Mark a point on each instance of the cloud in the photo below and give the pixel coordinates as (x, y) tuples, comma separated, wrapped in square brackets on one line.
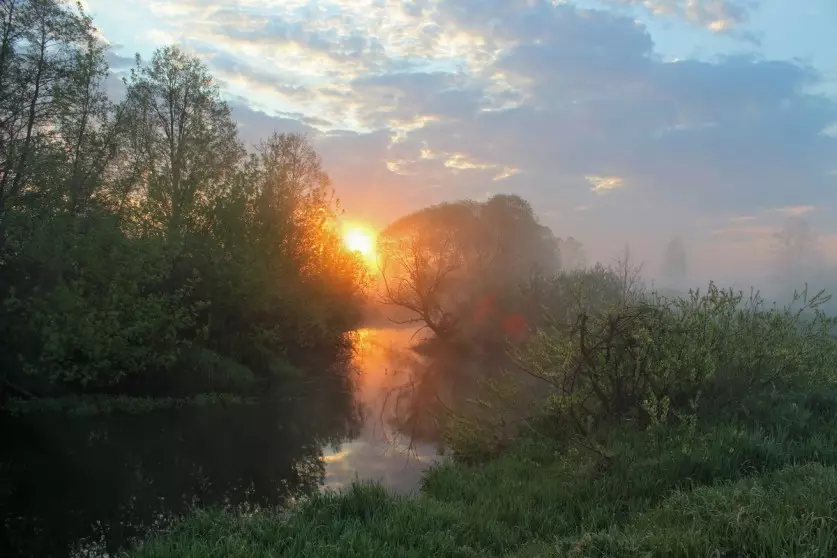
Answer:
[(715, 15), (255, 126), (746, 231), (794, 210), (602, 184), (414, 102)]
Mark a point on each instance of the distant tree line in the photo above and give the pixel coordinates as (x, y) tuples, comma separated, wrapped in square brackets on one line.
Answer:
[(143, 250)]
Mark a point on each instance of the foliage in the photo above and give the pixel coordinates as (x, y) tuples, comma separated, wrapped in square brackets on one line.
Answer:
[(102, 405), (447, 264), (652, 360), (644, 425), (143, 252)]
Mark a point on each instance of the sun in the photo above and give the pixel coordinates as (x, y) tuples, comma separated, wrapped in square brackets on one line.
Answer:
[(359, 239)]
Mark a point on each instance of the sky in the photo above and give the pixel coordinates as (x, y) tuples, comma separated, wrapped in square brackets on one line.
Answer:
[(621, 121)]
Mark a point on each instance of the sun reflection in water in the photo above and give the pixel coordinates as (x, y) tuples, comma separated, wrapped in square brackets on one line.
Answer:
[(378, 454)]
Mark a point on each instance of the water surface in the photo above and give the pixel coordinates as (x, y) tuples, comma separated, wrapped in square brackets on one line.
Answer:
[(98, 482)]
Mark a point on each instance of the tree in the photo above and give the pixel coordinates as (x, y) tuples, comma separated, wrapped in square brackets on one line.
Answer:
[(450, 265), (50, 66), (796, 252), (674, 262), (796, 243), (571, 253), (141, 252), (182, 137)]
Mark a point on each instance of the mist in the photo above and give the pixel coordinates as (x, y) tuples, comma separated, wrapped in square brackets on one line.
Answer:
[(418, 278)]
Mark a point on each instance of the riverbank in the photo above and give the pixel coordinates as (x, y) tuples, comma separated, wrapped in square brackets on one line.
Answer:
[(763, 484)]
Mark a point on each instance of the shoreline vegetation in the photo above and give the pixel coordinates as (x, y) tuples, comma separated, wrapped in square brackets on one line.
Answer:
[(738, 459), (147, 255)]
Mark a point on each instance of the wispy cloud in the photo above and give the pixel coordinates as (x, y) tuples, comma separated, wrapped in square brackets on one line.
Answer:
[(794, 210), (603, 184), (746, 231), (715, 15)]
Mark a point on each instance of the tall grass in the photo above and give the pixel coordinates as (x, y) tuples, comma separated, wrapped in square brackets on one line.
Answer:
[(698, 462)]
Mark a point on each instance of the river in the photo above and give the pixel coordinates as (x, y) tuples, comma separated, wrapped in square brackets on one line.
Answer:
[(86, 485)]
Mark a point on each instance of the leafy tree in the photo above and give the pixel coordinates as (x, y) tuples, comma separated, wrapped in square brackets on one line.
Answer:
[(674, 262), (795, 245), (50, 66), (572, 254), (142, 251), (183, 142), (449, 265)]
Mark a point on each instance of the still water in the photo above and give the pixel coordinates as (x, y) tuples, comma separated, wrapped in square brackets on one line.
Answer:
[(88, 485)]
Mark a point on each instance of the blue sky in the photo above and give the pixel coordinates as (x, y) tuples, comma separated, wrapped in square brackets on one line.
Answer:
[(620, 120)]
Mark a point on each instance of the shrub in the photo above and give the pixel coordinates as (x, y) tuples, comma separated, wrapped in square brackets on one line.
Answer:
[(651, 360)]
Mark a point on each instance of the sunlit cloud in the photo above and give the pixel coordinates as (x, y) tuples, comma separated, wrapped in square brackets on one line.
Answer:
[(830, 130), (458, 161), (715, 15), (794, 210), (401, 128), (603, 184), (505, 173)]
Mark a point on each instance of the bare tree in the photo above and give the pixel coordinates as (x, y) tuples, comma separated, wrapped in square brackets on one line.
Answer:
[(628, 273), (416, 276)]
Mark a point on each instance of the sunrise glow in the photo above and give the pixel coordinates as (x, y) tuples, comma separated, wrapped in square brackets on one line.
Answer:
[(360, 239)]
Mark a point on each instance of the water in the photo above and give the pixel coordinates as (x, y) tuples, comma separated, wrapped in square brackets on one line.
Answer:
[(101, 482), (378, 452)]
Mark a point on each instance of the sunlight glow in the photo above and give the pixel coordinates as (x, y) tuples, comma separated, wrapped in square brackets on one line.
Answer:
[(360, 239)]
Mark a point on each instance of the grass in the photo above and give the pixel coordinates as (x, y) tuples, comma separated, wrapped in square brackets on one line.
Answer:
[(93, 405), (764, 484)]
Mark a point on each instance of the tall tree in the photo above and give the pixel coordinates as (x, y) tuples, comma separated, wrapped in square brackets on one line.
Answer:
[(447, 264), (796, 243), (571, 253), (796, 253), (49, 68), (674, 262), (184, 141)]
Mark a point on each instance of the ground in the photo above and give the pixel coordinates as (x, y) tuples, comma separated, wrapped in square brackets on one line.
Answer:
[(760, 485)]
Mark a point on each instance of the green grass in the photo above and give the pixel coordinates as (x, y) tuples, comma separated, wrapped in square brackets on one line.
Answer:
[(764, 484), (93, 405)]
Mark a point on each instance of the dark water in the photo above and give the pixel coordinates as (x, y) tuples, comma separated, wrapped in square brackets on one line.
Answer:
[(73, 483)]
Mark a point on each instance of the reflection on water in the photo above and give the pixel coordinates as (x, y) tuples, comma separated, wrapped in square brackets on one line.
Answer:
[(379, 453), (107, 479)]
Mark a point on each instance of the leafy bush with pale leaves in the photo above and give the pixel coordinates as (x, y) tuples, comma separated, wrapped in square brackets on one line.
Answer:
[(651, 359)]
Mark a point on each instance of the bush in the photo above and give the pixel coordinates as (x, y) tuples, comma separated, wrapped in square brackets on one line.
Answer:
[(651, 360)]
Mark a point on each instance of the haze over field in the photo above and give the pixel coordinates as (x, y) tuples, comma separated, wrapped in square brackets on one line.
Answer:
[(714, 120)]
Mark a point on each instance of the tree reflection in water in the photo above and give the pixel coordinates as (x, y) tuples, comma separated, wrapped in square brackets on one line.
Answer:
[(383, 451), (100, 481), (67, 478)]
